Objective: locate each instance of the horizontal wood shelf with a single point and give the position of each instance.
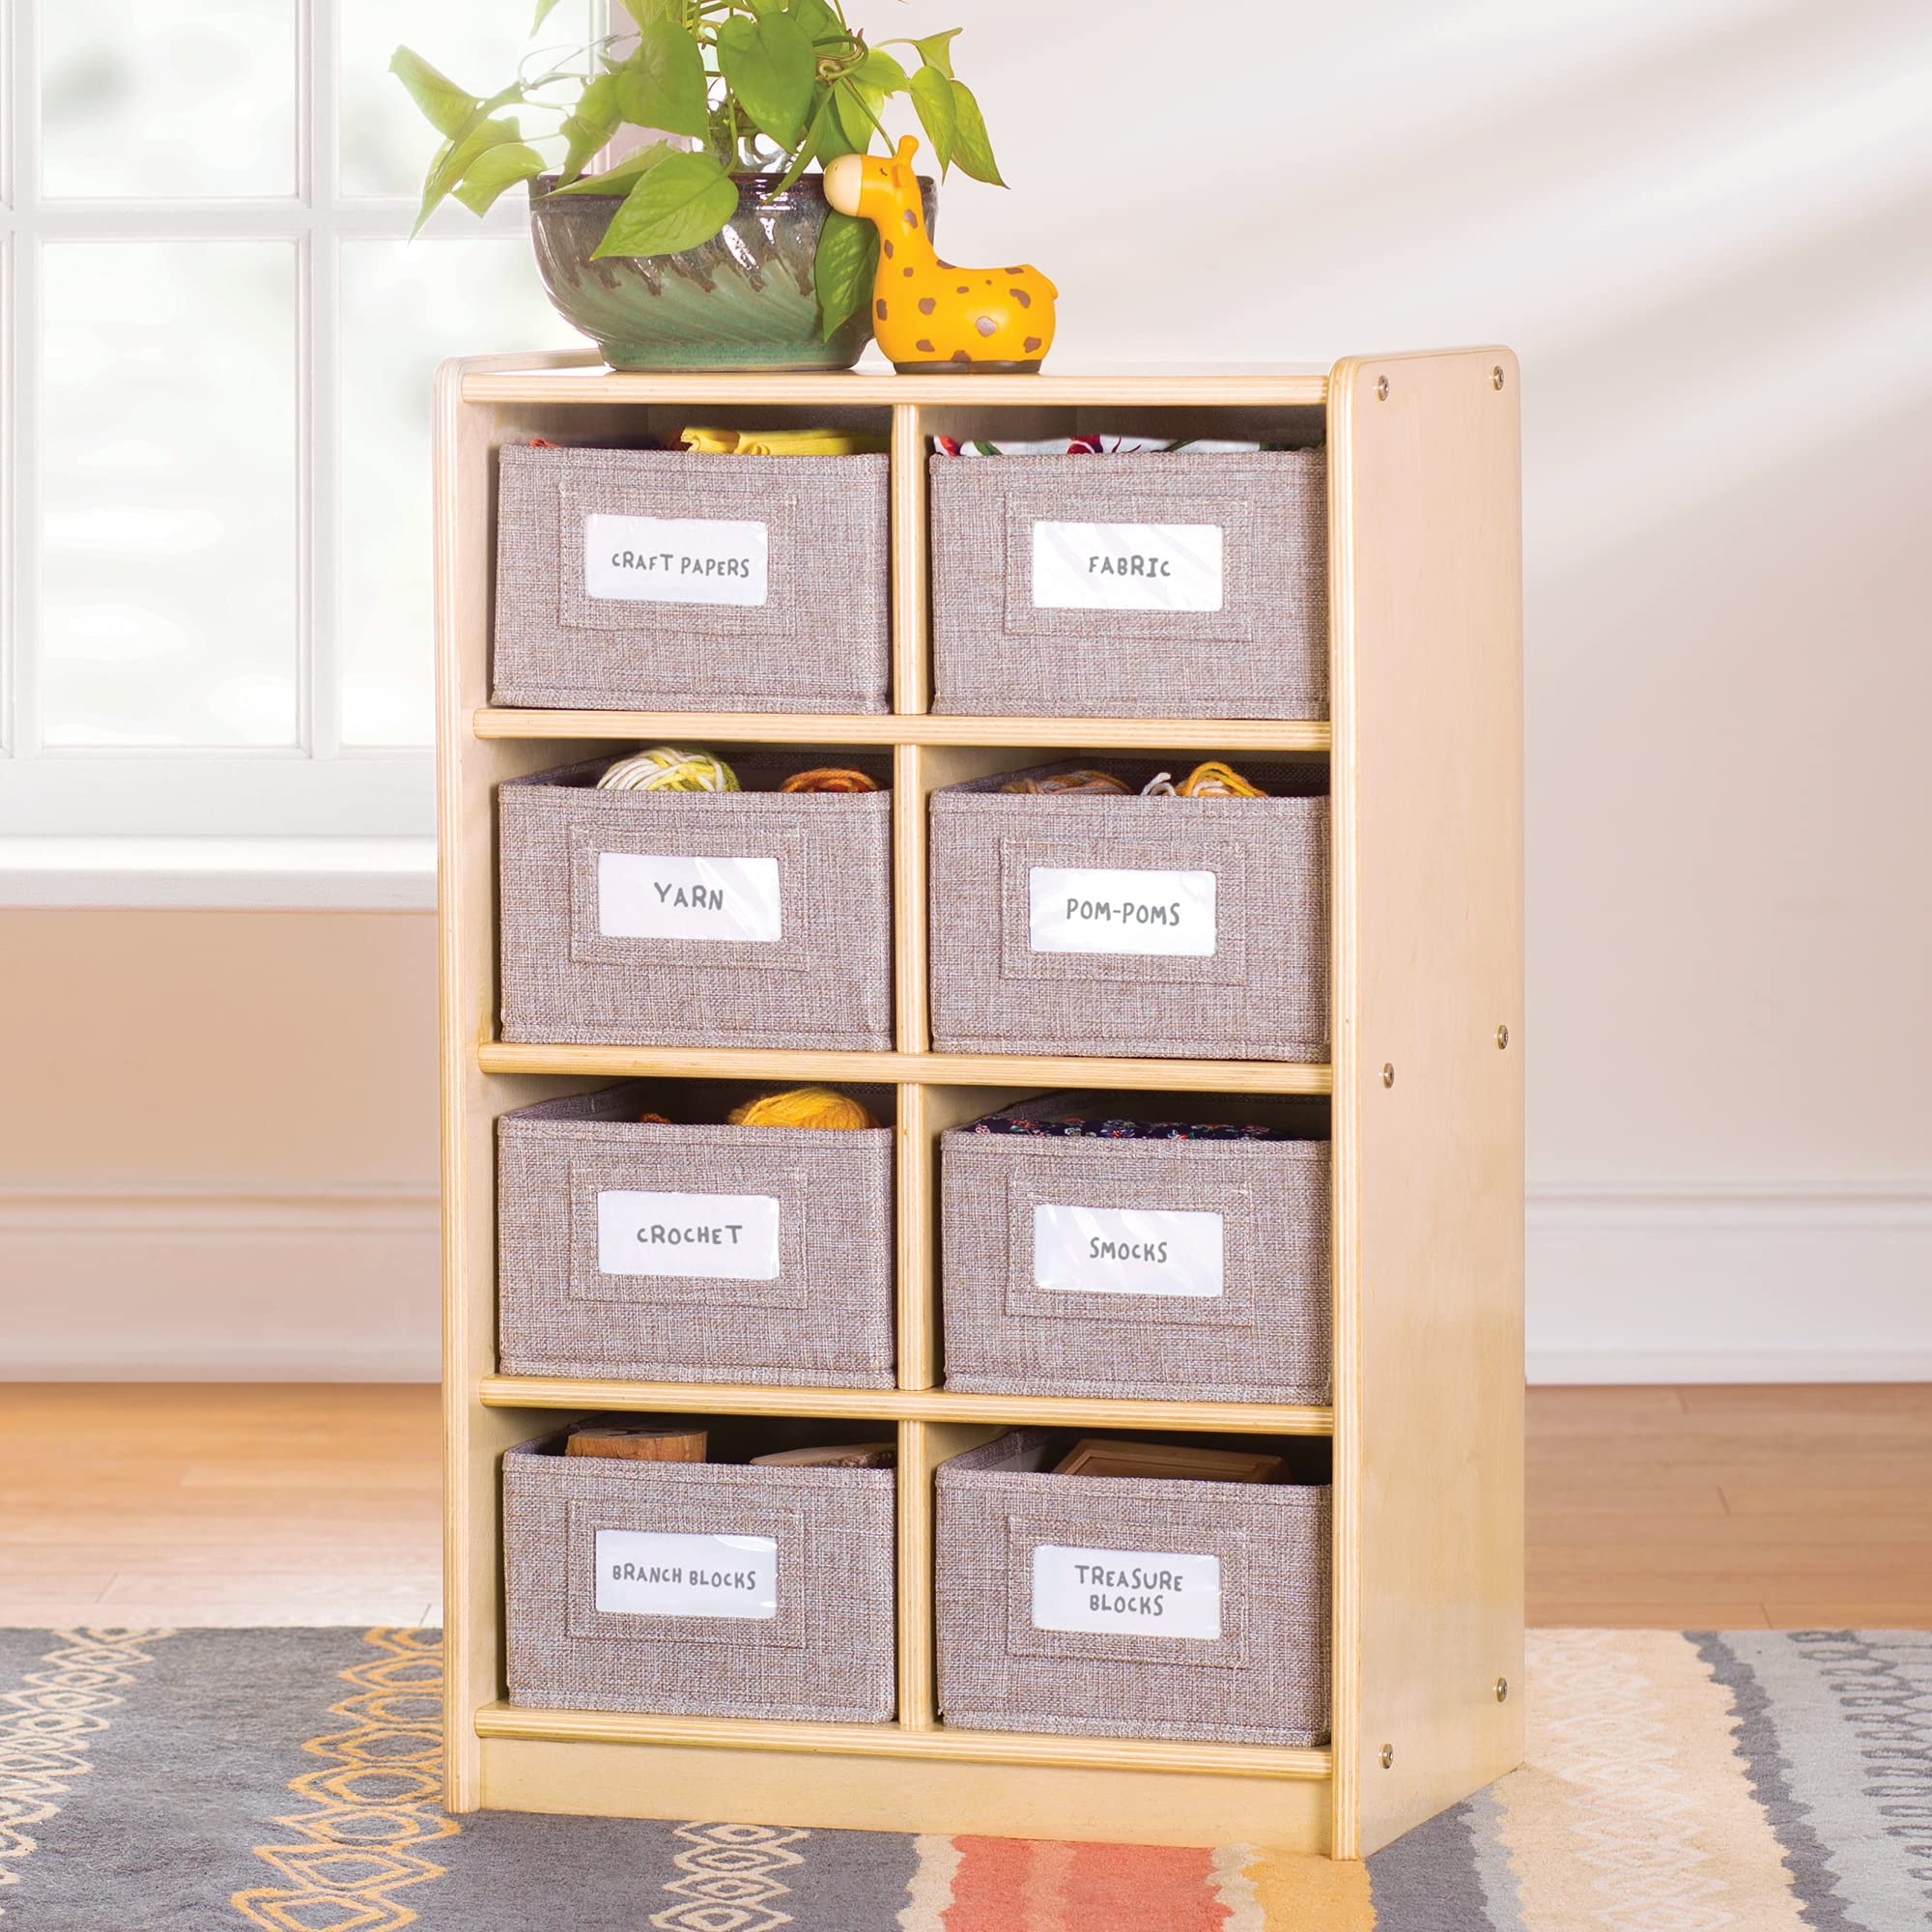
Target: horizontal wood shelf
(511, 1720)
(934, 1404)
(933, 1069)
(592, 382)
(759, 728)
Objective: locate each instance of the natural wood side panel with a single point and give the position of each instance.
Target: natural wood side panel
(1426, 772)
(522, 381)
(802, 728)
(897, 1740)
(929, 1405)
(1039, 1071)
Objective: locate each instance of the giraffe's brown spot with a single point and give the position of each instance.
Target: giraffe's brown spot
(889, 250)
(960, 355)
(942, 261)
(879, 307)
(1032, 343)
(926, 304)
(911, 219)
(1021, 296)
(908, 272)
(1013, 271)
(923, 344)
(962, 289)
(985, 325)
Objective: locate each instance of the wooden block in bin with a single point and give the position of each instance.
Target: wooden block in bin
(638, 1441)
(1174, 1461)
(832, 1456)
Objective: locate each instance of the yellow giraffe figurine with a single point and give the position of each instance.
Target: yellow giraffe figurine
(930, 316)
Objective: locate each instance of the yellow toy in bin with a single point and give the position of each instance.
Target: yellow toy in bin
(928, 316)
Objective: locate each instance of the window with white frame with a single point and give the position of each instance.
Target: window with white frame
(217, 353)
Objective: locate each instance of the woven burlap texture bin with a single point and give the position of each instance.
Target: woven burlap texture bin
(1262, 995)
(824, 982)
(1265, 1680)
(826, 1321)
(1264, 1338)
(819, 642)
(827, 1655)
(1263, 654)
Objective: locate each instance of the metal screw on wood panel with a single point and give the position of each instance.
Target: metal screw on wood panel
(1502, 1689)
(1389, 1074)
(1502, 1038)
(1388, 1756)
(1497, 377)
(1382, 388)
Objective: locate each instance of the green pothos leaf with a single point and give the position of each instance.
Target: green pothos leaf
(618, 178)
(842, 270)
(445, 107)
(932, 98)
(684, 200)
(768, 65)
(493, 172)
(661, 85)
(972, 150)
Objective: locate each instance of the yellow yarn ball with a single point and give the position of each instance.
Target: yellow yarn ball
(802, 1107)
(670, 768)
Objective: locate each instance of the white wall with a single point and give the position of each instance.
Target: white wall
(1705, 227)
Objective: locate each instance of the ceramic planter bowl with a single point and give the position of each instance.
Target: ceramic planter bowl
(742, 300)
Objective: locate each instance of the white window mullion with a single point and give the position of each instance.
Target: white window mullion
(23, 506)
(318, 56)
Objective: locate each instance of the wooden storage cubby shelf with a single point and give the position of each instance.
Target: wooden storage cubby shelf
(1424, 1108)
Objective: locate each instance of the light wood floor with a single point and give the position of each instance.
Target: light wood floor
(165, 1504)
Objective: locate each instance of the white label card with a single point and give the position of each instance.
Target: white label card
(722, 1236)
(654, 895)
(1077, 909)
(648, 1572)
(1133, 1592)
(1126, 566)
(674, 560)
(1126, 1250)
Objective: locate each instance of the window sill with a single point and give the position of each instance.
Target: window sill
(367, 874)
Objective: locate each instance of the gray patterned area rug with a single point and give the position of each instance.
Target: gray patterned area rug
(287, 1779)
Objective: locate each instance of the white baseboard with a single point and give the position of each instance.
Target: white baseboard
(1807, 1283)
(1660, 1284)
(219, 1284)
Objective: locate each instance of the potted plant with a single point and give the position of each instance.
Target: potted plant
(709, 245)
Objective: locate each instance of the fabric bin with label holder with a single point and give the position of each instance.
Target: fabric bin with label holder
(662, 581)
(1088, 1265)
(706, 1588)
(1130, 1608)
(751, 918)
(694, 1252)
(1168, 927)
(1151, 585)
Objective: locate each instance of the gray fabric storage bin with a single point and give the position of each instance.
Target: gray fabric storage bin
(1263, 653)
(1245, 1315)
(572, 629)
(824, 1649)
(813, 1203)
(825, 981)
(1261, 993)
(1254, 1560)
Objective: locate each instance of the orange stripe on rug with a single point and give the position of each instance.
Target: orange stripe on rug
(1294, 1892)
(1019, 1884)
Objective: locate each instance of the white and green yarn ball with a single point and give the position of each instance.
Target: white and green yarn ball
(670, 768)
